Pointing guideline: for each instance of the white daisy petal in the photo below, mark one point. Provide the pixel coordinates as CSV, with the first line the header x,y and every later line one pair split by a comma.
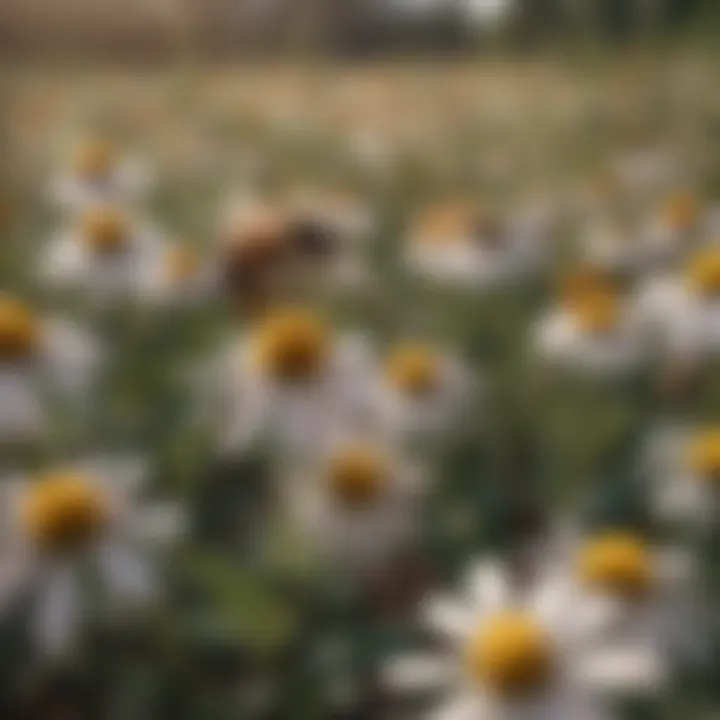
x,y
57,610
488,585
463,708
22,416
447,617
126,573
70,356
629,670
418,672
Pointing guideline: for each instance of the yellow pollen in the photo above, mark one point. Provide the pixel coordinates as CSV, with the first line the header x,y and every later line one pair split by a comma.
x,y
414,369
94,160
105,230
357,474
512,655
682,212
617,562
293,345
445,224
18,330
703,272
64,512
597,312
703,454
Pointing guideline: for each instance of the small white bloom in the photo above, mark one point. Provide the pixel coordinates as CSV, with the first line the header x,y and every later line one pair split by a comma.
x,y
292,382
70,520
98,175
682,311
357,501
420,393
178,278
457,244
104,256
590,330
682,465
39,356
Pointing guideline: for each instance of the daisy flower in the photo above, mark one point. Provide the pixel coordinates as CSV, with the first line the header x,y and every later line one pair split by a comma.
x,y
646,596
102,255
294,381
358,503
683,465
516,654
590,329
39,355
458,243
97,174
682,309
179,277
673,230
611,245
421,392
75,520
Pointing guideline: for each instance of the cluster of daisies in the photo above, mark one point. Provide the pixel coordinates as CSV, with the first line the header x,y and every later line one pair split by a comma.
x,y
354,426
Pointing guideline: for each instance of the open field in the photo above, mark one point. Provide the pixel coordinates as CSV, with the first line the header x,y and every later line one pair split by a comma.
x,y
256,620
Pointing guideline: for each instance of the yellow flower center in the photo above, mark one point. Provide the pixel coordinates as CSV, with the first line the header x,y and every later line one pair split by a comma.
x,y
445,224
512,655
618,563
597,312
358,475
105,230
94,160
293,345
182,263
703,455
414,370
682,212
703,272
18,330
64,512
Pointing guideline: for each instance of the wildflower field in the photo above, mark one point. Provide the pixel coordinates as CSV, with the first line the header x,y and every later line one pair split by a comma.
x,y
366,392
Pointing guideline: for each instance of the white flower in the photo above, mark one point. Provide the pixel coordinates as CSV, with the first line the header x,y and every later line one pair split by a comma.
x,y
590,331
682,465
646,597
611,246
292,382
672,231
518,654
104,256
457,244
39,356
178,277
683,310
357,501
98,175
74,520
420,393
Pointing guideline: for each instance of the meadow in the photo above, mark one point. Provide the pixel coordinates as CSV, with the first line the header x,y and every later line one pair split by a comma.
x,y
259,615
